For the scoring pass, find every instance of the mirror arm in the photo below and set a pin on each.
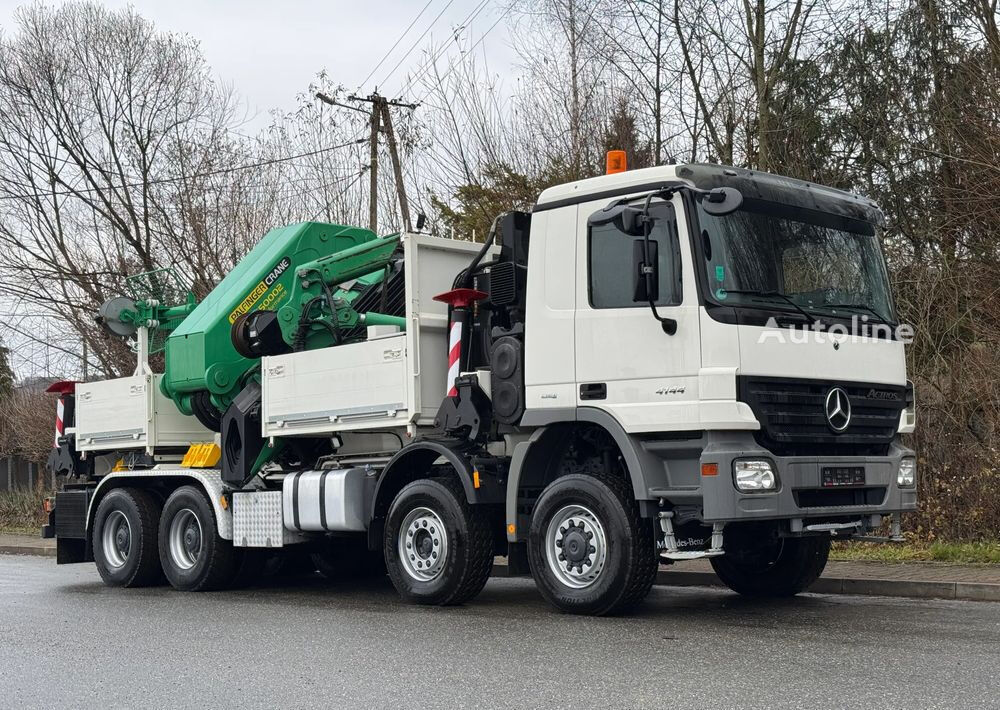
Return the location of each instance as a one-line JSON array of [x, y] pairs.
[[669, 325]]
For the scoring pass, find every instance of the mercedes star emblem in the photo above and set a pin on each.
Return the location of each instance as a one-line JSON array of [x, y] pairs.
[[838, 409]]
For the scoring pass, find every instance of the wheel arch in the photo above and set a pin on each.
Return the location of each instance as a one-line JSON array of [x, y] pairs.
[[408, 464], [162, 484], [535, 461]]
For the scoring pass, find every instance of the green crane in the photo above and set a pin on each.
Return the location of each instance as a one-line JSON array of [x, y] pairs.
[[297, 289]]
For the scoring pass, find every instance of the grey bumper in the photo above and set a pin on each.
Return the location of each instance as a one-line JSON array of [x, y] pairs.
[[672, 472], [801, 493]]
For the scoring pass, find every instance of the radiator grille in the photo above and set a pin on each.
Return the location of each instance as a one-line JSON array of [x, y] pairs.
[[793, 417]]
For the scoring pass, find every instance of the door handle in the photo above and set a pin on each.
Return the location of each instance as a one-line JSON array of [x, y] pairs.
[[594, 390]]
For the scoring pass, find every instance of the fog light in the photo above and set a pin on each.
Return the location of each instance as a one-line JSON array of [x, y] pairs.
[[907, 475], [754, 475]]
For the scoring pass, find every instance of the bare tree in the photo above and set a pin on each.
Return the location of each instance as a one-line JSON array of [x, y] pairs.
[[107, 126], [734, 54]]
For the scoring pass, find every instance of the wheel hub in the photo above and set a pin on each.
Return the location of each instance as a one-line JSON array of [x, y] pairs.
[[121, 538], [192, 539], [576, 547]]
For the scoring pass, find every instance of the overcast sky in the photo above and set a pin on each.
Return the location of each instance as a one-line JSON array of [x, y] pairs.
[[269, 50]]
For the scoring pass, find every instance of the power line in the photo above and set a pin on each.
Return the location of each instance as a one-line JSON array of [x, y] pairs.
[[39, 341], [420, 73], [393, 47], [326, 206], [444, 47], [469, 53], [268, 192], [419, 39], [221, 171]]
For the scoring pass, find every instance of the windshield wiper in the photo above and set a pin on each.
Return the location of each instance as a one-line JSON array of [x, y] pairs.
[[767, 294], [861, 307]]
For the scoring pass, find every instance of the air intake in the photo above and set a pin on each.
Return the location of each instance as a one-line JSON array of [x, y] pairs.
[[503, 284]]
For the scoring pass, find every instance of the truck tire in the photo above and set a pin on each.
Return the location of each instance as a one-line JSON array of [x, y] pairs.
[[589, 550], [771, 566], [343, 559], [194, 557], [124, 538], [438, 548]]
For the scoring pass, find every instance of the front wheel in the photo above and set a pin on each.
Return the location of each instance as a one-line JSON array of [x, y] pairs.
[[589, 549], [438, 548], [194, 556], [760, 563]]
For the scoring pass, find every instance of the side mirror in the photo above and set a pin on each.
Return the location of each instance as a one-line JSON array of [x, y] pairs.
[[722, 201], [624, 218], [646, 279]]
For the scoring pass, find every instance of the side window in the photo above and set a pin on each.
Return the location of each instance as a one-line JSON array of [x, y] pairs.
[[612, 265]]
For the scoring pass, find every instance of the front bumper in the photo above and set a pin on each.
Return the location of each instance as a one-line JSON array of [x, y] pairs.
[[801, 494]]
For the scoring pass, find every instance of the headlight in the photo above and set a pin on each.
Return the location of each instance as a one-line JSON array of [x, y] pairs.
[[907, 475], [754, 476]]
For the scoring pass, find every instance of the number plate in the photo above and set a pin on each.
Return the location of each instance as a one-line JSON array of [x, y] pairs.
[[838, 476]]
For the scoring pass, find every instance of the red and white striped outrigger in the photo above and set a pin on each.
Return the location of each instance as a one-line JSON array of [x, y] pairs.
[[65, 390], [459, 299]]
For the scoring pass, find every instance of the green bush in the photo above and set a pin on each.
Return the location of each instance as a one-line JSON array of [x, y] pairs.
[[21, 510]]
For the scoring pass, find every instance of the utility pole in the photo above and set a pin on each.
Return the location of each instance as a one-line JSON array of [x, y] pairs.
[[373, 168], [397, 169], [381, 120]]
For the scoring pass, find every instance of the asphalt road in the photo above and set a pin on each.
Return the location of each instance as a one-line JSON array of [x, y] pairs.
[[68, 641]]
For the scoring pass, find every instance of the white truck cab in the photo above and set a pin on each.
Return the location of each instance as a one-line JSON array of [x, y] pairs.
[[784, 348], [649, 366]]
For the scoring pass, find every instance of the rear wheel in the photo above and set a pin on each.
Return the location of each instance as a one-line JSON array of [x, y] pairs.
[[590, 551], [438, 548], [124, 538], [194, 556], [760, 563]]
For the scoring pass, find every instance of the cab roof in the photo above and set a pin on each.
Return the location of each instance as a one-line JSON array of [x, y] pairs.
[[706, 176]]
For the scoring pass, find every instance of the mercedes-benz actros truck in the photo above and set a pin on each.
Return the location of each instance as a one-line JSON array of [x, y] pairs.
[[648, 366]]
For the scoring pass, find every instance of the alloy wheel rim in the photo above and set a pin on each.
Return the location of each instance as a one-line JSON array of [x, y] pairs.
[[576, 546], [117, 539], [423, 544], [185, 539]]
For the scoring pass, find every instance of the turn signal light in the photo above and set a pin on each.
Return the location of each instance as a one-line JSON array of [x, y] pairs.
[[616, 162], [710, 469]]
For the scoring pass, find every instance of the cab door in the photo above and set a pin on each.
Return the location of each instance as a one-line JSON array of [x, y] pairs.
[[625, 363]]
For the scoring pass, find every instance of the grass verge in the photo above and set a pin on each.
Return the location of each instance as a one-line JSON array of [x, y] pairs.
[[21, 511], [983, 552]]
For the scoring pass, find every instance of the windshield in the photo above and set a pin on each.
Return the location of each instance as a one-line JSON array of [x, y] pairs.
[[795, 259]]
